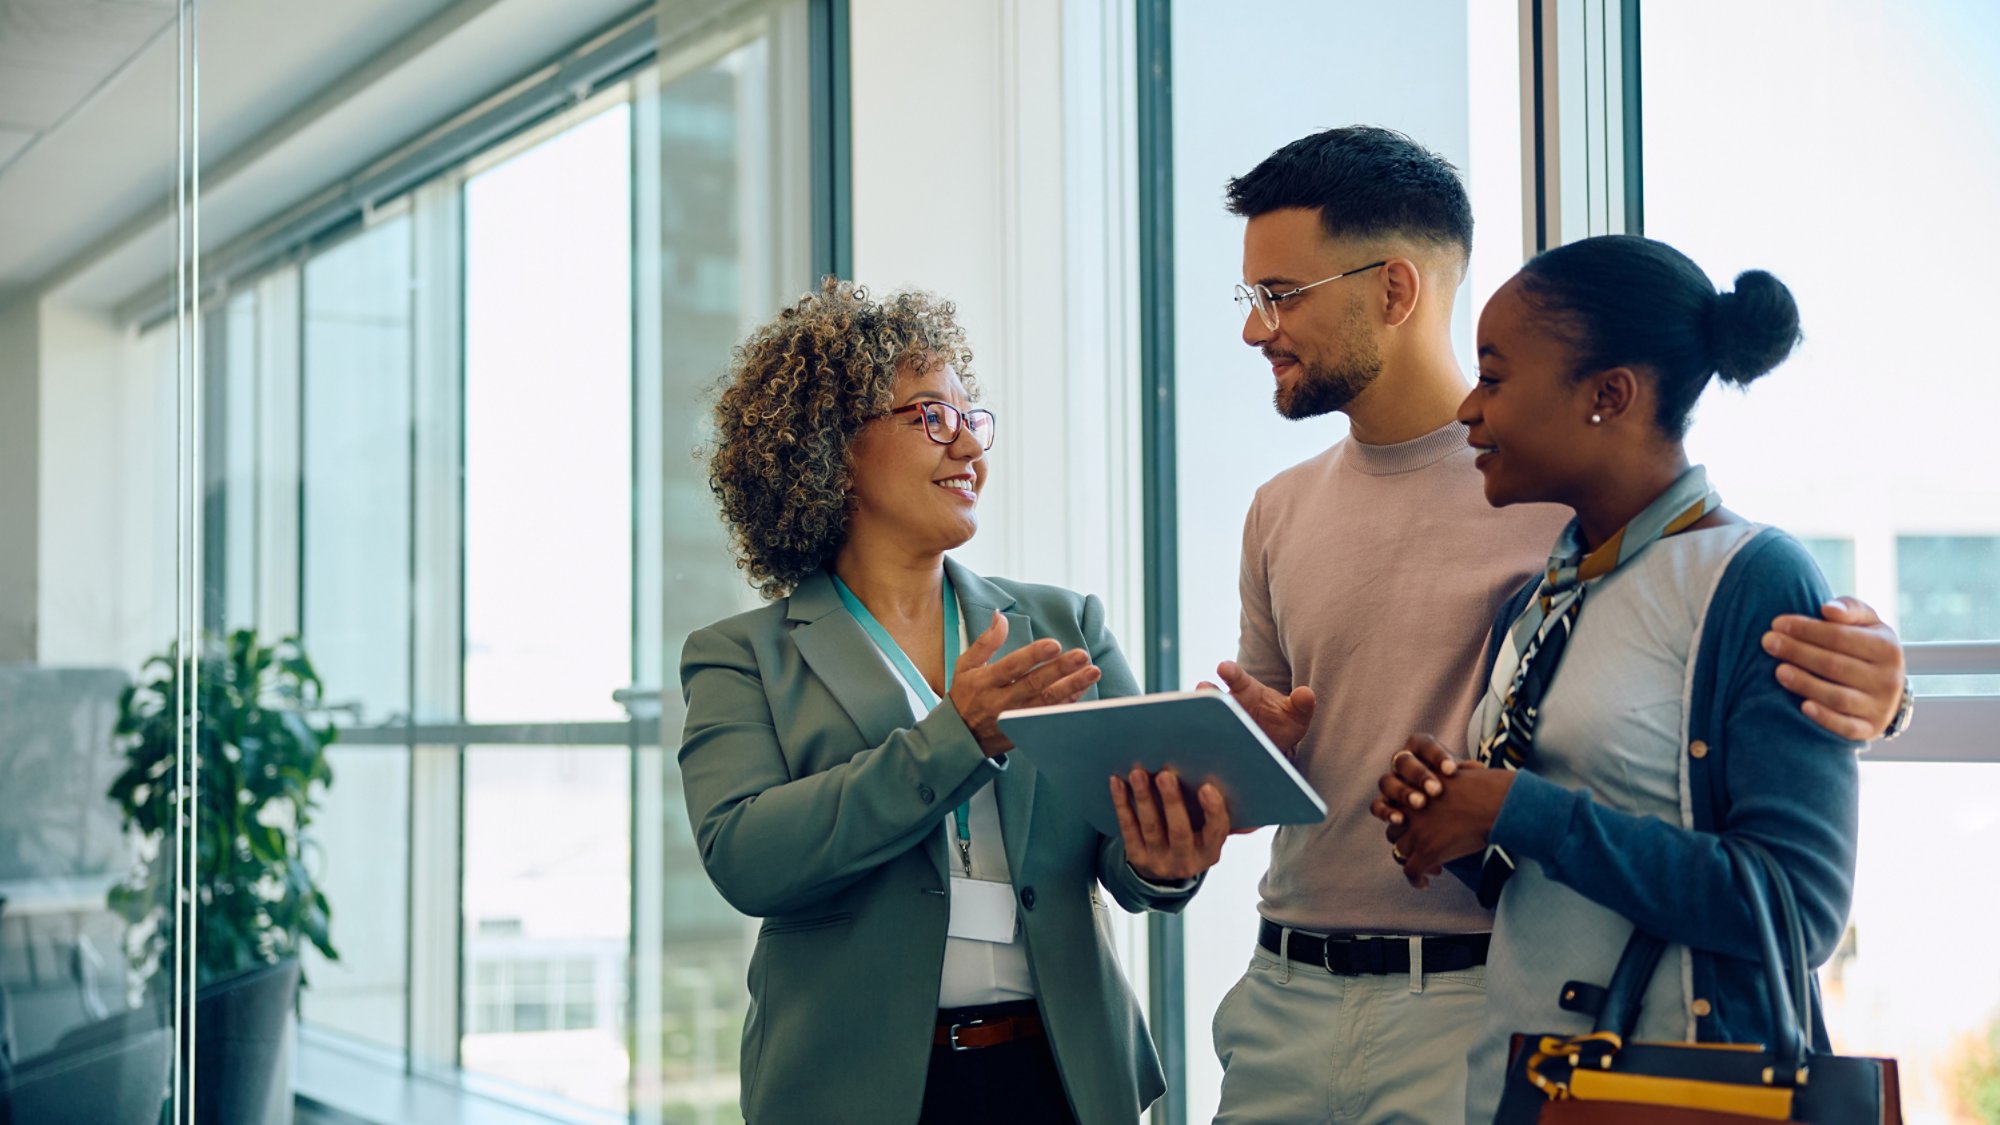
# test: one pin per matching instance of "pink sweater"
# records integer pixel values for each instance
(1372, 573)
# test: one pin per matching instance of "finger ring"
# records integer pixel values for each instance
(1396, 850)
(1397, 757)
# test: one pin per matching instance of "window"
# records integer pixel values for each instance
(452, 446)
(1870, 442)
(548, 589)
(1835, 558)
(1449, 77)
(355, 598)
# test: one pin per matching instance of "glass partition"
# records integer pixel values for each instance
(98, 497)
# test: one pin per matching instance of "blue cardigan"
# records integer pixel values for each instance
(1768, 774)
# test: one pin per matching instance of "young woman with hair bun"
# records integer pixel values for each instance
(1632, 720)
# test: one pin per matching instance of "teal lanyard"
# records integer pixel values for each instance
(915, 679)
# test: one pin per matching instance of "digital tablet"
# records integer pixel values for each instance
(1204, 735)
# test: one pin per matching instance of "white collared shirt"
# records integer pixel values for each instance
(976, 972)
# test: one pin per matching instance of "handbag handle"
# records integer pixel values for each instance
(1620, 1012)
(1786, 973)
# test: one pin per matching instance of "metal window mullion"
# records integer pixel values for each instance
(1582, 119)
(434, 883)
(1166, 939)
(832, 146)
(1956, 729)
(646, 929)
(279, 453)
(1631, 106)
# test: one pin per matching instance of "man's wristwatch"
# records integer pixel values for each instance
(1905, 710)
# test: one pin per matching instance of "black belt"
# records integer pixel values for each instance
(1363, 956)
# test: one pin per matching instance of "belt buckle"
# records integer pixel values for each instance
(1326, 953)
(1372, 963)
(953, 1036)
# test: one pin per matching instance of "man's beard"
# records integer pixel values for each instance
(1322, 390)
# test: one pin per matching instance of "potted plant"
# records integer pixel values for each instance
(260, 738)
(259, 734)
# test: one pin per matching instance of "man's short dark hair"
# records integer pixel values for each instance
(1365, 182)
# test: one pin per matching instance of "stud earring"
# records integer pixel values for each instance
(1597, 419)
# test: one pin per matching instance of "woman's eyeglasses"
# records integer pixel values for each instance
(943, 422)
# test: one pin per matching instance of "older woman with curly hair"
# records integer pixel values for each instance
(932, 946)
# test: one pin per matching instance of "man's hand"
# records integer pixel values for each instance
(1847, 667)
(1282, 718)
(1160, 842)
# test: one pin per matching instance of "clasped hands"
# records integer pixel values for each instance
(1437, 808)
(1161, 844)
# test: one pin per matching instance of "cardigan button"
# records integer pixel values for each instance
(1702, 1008)
(926, 794)
(1698, 748)
(1028, 897)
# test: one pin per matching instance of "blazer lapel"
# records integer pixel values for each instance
(1014, 789)
(834, 646)
(846, 661)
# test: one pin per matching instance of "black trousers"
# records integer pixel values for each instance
(1012, 1083)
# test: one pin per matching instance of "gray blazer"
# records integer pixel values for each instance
(817, 807)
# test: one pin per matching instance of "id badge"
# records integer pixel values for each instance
(982, 910)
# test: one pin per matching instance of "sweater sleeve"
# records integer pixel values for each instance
(1786, 783)
(1257, 648)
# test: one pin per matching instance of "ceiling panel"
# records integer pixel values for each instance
(87, 36)
(33, 98)
(11, 142)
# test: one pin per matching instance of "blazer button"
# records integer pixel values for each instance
(924, 791)
(1028, 897)
(1698, 748)
(1702, 1008)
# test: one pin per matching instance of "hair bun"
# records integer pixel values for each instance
(1753, 327)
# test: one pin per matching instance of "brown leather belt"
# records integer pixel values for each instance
(970, 1035)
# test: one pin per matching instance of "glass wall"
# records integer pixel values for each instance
(98, 502)
(1871, 201)
(456, 459)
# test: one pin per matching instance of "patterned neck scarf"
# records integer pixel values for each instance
(1538, 637)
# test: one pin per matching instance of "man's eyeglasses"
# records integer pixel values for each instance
(943, 421)
(1266, 302)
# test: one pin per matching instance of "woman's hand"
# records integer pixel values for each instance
(1160, 841)
(1416, 776)
(1035, 675)
(1437, 807)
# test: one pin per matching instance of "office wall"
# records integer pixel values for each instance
(19, 511)
(107, 478)
(992, 165)
(20, 394)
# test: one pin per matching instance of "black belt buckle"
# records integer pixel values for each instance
(1374, 962)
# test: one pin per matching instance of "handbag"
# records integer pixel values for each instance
(1603, 1076)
